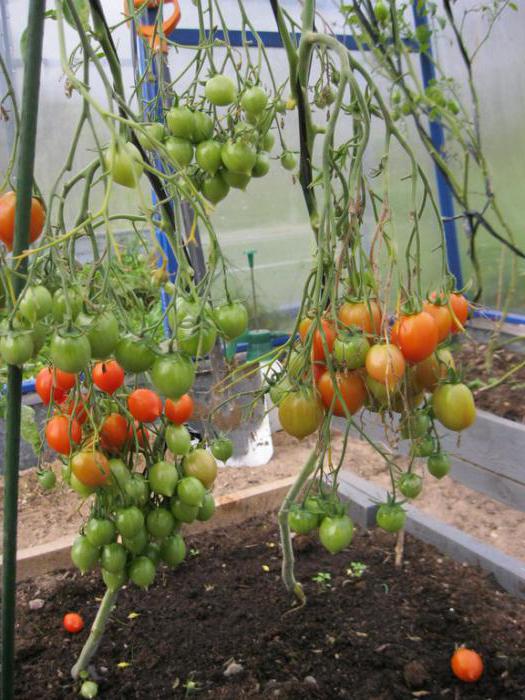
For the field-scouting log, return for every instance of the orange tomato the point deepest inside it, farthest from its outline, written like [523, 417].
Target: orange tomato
[144, 405]
[62, 432]
[459, 306]
[91, 468]
[46, 388]
[73, 622]
[415, 335]
[318, 353]
[428, 373]
[64, 380]
[361, 314]
[442, 317]
[7, 219]
[385, 363]
[467, 665]
[303, 328]
[180, 410]
[352, 389]
[114, 432]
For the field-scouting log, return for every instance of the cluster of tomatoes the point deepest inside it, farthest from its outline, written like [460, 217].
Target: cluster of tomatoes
[127, 446]
[214, 157]
[342, 363]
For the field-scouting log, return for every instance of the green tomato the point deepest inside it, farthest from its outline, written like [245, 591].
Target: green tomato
[202, 465]
[179, 150]
[142, 572]
[173, 375]
[191, 491]
[83, 554]
[89, 689]
[231, 319]
[114, 581]
[17, 347]
[215, 188]
[178, 439]
[181, 122]
[134, 355]
[196, 338]
[302, 521]
[222, 449]
[238, 157]
[70, 352]
[152, 551]
[39, 334]
[207, 508]
[220, 90]
[60, 311]
[410, 484]
[47, 479]
[125, 164]
[208, 156]
[102, 332]
[237, 180]
[130, 521]
[415, 426]
[268, 141]
[120, 474]
[100, 531]
[163, 478]
[36, 303]
[151, 133]
[160, 523]
[173, 550]
[254, 100]
[423, 447]
[137, 490]
[288, 160]
[280, 390]
[137, 544]
[350, 351]
[182, 512]
[381, 12]
[114, 557]
[79, 487]
[202, 127]
[391, 517]
[439, 465]
[262, 165]
[335, 533]
[453, 406]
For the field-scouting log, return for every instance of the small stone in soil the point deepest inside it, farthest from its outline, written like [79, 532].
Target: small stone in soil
[36, 604]
[233, 669]
[310, 680]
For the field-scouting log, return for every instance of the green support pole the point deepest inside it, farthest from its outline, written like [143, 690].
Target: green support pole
[24, 190]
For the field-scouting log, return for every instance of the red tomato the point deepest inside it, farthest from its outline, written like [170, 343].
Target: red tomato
[108, 376]
[58, 432]
[317, 347]
[44, 387]
[304, 326]
[144, 405]
[7, 219]
[459, 306]
[352, 389]
[114, 432]
[180, 410]
[442, 317]
[64, 380]
[385, 363]
[416, 336]
[73, 623]
[318, 369]
[467, 665]
[361, 314]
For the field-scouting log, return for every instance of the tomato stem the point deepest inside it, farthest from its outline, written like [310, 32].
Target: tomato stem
[95, 635]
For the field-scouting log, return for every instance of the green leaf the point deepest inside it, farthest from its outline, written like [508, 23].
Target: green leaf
[82, 8]
[29, 428]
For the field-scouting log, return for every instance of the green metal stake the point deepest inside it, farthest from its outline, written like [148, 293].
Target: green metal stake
[251, 262]
[25, 166]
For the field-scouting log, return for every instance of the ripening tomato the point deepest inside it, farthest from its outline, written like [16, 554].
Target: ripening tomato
[428, 373]
[44, 387]
[7, 219]
[467, 665]
[62, 433]
[179, 411]
[108, 376]
[352, 390]
[453, 406]
[459, 307]
[144, 405]
[91, 468]
[318, 352]
[385, 363]
[442, 317]
[365, 315]
[114, 432]
[304, 327]
[416, 336]
[300, 413]
[73, 623]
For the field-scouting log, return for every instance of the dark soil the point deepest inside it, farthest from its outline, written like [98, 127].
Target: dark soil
[506, 400]
[387, 634]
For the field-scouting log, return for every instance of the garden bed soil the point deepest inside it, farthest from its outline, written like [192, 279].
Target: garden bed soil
[506, 400]
[385, 635]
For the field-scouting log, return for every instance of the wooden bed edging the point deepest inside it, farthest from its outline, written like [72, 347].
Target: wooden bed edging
[232, 509]
[458, 545]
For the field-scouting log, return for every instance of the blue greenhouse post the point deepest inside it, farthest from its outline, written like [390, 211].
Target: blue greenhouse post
[446, 201]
